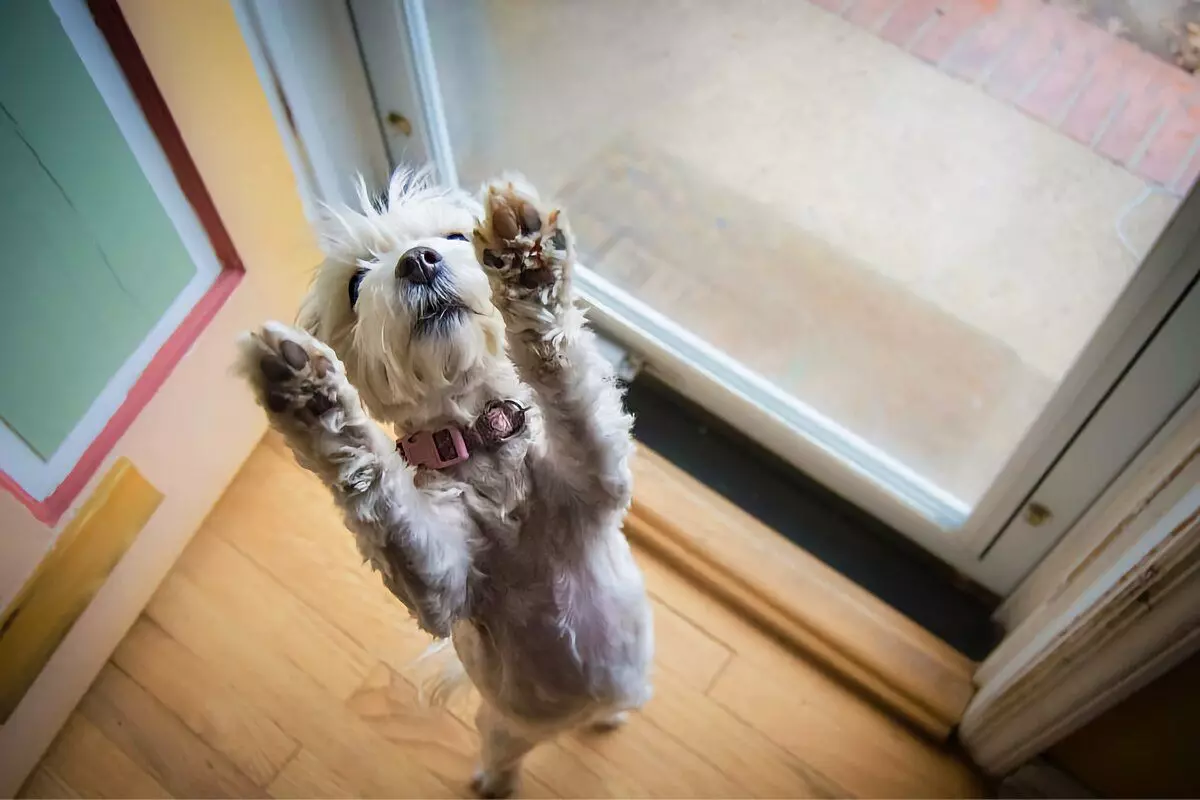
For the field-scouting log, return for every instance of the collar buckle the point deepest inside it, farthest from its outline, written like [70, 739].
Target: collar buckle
[500, 421]
[438, 449]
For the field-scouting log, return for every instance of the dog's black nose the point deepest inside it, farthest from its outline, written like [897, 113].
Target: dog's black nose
[419, 264]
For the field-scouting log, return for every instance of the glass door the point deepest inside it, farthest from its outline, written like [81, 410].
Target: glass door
[912, 246]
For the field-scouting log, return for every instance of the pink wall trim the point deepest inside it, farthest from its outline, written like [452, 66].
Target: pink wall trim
[156, 373]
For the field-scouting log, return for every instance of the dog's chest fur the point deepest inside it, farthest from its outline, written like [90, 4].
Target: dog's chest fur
[553, 586]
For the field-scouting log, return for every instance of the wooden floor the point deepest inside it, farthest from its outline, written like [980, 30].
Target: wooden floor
[271, 662]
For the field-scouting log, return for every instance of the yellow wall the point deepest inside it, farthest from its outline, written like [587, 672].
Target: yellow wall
[191, 438]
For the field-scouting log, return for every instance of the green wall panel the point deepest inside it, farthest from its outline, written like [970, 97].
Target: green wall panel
[90, 258]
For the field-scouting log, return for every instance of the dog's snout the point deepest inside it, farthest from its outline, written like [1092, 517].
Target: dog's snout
[419, 264]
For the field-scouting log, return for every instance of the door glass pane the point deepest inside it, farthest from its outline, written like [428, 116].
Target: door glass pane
[910, 215]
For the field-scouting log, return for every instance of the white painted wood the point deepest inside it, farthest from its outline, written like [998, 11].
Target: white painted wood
[388, 60]
[1167, 635]
[429, 91]
[313, 49]
[1087, 539]
[1159, 382]
[41, 477]
[1128, 615]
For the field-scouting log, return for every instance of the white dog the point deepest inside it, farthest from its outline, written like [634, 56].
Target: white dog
[497, 517]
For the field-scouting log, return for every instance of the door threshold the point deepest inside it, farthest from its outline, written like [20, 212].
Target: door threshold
[816, 571]
[796, 598]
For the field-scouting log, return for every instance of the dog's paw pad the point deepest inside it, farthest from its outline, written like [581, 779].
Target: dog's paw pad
[512, 216]
[535, 278]
[521, 242]
[504, 222]
[274, 369]
[294, 372]
[530, 219]
[559, 240]
[293, 354]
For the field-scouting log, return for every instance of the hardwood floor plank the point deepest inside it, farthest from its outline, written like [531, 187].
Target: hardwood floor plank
[159, 742]
[735, 748]
[859, 746]
[388, 704]
[268, 614]
[45, 784]
[89, 763]
[760, 660]
[691, 654]
[301, 707]
[431, 736]
[740, 636]
[270, 649]
[295, 534]
[307, 776]
[717, 621]
[214, 711]
[616, 779]
[642, 751]
[584, 773]
[570, 774]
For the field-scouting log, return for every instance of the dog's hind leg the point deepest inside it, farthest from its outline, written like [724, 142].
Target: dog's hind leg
[527, 248]
[503, 747]
[416, 540]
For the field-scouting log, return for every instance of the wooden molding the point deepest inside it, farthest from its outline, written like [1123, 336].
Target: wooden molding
[64, 583]
[797, 598]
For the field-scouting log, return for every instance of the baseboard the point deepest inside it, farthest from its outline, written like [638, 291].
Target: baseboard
[797, 598]
[67, 579]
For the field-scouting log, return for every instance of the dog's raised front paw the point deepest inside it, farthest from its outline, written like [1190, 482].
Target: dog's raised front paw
[294, 375]
[522, 243]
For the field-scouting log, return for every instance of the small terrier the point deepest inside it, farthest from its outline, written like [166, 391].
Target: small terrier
[496, 518]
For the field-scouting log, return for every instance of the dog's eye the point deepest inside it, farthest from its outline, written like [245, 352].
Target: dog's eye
[457, 237]
[355, 281]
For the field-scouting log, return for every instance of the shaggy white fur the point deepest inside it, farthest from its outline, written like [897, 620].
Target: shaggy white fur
[517, 554]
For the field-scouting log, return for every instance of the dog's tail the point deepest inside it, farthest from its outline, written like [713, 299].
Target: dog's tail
[442, 675]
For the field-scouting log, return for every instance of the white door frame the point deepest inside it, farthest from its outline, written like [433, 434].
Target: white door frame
[395, 42]
[1158, 381]
[1122, 608]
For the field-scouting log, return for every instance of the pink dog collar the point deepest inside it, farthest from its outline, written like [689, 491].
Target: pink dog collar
[435, 449]
[445, 447]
